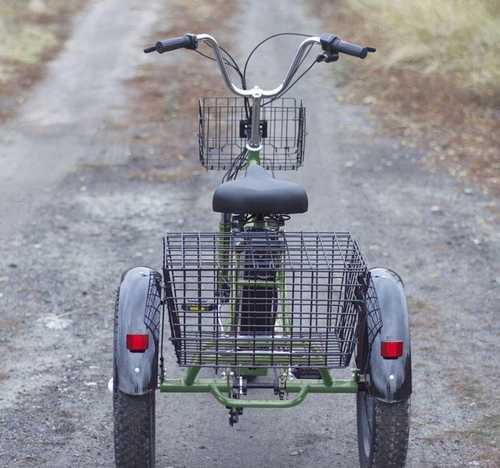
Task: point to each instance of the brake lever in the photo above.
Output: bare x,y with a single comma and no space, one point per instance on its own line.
327,57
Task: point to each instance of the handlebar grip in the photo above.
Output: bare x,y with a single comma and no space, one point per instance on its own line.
333,45
349,48
188,41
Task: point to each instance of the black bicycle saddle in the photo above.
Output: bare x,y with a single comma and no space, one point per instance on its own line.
258,192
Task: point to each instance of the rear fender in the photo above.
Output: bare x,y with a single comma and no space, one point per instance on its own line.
390,379
139,303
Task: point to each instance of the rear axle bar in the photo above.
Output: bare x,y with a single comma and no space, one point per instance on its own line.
220,388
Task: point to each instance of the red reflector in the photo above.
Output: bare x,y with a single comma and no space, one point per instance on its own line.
391,349
137,342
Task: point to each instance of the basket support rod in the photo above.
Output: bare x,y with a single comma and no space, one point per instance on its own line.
191,375
326,377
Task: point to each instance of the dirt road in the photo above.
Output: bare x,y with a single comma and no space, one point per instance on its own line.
72,220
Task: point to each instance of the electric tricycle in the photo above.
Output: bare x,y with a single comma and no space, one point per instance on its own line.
257,307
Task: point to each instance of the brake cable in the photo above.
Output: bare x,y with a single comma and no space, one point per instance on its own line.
291,85
252,52
272,36
233,65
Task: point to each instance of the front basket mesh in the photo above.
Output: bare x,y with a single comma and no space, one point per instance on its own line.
264,299
224,124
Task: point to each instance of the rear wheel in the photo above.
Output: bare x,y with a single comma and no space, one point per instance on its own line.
383,431
134,419
383,405
134,422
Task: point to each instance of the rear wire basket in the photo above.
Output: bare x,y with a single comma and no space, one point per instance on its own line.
264,299
224,124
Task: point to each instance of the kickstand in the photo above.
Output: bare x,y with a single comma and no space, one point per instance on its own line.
234,415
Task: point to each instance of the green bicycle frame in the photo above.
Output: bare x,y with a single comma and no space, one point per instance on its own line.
222,388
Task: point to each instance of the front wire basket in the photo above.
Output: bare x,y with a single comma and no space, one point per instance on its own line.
264,299
224,124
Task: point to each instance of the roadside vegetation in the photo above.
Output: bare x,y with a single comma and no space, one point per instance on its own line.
31,32
459,38
435,80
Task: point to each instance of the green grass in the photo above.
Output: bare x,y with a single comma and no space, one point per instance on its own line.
453,37
21,40
29,31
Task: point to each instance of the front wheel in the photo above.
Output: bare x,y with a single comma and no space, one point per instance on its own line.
383,431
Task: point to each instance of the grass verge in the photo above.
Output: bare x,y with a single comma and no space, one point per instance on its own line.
459,39
435,80
31,33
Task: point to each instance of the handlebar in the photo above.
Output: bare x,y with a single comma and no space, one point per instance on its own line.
331,45
257,92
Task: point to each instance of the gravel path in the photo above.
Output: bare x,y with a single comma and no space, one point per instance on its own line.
72,221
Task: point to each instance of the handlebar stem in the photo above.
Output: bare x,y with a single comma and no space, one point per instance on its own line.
254,142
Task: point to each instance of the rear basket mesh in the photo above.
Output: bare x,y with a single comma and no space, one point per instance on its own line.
264,299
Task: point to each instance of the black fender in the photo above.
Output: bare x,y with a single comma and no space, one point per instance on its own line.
390,380
138,311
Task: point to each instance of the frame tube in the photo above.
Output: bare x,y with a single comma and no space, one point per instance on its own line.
191,375
301,387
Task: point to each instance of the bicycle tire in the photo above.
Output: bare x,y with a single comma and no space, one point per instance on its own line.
134,421
383,431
